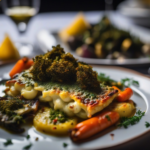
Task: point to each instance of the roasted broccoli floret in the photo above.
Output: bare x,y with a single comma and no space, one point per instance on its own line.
42,62
55,53
39,68
58,66
87,78
62,71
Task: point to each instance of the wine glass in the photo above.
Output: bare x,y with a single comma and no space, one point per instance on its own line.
21,11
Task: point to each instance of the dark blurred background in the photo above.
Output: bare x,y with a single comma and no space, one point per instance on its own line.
76,5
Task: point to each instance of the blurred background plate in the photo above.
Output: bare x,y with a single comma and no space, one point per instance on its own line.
47,38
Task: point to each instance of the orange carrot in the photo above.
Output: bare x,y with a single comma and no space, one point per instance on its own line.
21,65
93,125
116,88
125,95
29,64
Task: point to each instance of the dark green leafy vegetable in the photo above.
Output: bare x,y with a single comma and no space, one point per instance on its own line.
65,144
27,147
125,122
108,118
105,40
147,124
8,142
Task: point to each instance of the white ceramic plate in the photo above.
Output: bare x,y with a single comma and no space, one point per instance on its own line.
101,140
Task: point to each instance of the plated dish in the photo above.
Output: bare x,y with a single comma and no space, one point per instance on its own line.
58,92
103,49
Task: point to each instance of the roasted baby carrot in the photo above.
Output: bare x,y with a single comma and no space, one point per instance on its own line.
21,65
116,88
29,64
125,95
93,125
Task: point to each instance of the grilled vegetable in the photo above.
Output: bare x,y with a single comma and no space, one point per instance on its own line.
21,65
94,125
53,121
59,66
14,111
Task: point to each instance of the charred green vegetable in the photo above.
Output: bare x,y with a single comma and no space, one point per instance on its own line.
86,77
63,70
13,111
8,106
58,66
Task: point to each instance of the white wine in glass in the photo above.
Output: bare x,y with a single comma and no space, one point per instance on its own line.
20,11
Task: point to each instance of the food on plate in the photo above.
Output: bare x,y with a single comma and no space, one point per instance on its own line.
8,51
69,85
124,95
94,125
124,109
53,121
59,92
106,41
13,111
78,26
108,117
21,65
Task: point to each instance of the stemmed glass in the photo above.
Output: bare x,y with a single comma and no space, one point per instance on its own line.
21,11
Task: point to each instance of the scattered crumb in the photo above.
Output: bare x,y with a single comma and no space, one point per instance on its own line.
36,139
112,136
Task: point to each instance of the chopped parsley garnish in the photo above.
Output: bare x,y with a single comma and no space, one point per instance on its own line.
65,144
125,122
129,82
27,147
108,118
8,142
28,137
57,115
106,80
147,124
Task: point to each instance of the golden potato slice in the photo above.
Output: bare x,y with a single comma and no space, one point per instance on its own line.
42,122
125,109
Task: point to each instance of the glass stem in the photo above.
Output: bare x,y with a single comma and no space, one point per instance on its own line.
22,26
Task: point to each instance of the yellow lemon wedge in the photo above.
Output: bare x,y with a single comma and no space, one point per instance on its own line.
8,50
78,26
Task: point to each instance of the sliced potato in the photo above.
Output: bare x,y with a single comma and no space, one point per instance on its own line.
125,109
43,123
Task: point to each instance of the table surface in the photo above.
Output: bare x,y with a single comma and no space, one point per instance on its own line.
54,22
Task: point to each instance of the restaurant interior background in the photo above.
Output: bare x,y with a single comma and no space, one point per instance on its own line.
67,5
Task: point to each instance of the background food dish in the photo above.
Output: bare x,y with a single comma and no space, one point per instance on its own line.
100,140
142,33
